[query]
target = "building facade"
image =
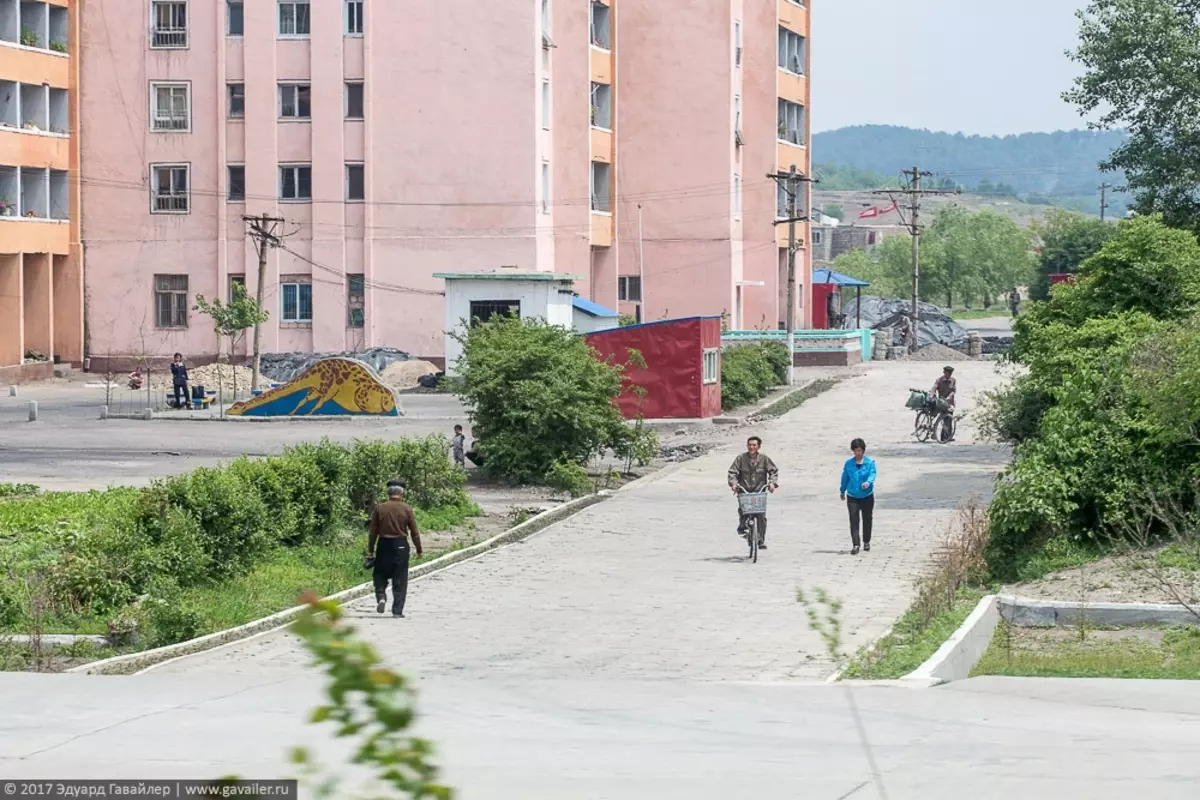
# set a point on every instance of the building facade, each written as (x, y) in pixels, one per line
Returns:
(41, 281)
(521, 134)
(831, 241)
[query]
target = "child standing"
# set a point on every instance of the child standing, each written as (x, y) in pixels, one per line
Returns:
(458, 446)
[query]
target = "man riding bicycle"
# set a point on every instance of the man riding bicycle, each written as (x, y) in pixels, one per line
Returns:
(752, 471)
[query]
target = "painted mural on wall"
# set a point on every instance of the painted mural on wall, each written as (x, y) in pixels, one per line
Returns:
(333, 387)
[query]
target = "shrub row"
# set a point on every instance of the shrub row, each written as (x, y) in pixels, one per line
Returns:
(213, 524)
(750, 371)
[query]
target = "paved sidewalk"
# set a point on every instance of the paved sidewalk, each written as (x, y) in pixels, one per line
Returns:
(652, 584)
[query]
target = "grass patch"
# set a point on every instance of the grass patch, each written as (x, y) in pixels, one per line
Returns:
(912, 641)
(1178, 556)
(794, 400)
(1062, 653)
(1057, 554)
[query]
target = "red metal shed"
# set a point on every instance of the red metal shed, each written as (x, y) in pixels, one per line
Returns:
(682, 376)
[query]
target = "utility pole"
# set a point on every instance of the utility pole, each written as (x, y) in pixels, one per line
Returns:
(791, 182)
(1104, 187)
(264, 231)
(914, 192)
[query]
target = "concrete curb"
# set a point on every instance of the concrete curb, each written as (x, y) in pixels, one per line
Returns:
(142, 661)
(870, 648)
(1027, 613)
(56, 639)
(959, 654)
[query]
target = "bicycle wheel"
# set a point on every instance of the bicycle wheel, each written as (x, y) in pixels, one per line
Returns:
(920, 422)
(925, 428)
(943, 429)
(752, 538)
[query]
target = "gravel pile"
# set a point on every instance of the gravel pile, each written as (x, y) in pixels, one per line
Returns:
(939, 352)
(206, 376)
(286, 366)
(407, 374)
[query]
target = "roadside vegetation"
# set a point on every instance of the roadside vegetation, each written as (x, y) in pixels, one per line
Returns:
(210, 549)
(1082, 652)
(750, 371)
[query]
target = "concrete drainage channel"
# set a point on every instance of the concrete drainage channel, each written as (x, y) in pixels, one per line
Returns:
(959, 654)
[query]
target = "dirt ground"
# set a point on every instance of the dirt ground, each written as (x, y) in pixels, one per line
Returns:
(1147, 578)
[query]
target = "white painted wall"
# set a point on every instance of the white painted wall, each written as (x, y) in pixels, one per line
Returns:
(586, 323)
(548, 300)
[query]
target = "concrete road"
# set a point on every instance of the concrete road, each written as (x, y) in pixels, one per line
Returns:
(70, 448)
(630, 652)
(991, 326)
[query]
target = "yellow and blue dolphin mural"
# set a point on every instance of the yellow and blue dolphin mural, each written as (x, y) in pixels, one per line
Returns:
(332, 387)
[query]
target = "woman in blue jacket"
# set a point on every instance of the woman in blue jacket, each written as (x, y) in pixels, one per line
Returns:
(858, 490)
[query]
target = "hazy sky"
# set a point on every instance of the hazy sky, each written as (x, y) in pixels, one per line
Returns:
(976, 66)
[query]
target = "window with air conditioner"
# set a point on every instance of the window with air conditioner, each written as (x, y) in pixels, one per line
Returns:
(294, 19)
(169, 189)
(170, 107)
(237, 100)
(601, 25)
(168, 25)
(354, 17)
(629, 289)
(601, 187)
(356, 182)
(235, 18)
(712, 365)
(296, 299)
(791, 51)
(170, 301)
(295, 101)
(602, 106)
(237, 183)
(295, 183)
(355, 104)
(791, 122)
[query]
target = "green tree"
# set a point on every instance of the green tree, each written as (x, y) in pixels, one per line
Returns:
(1067, 240)
(1139, 60)
(231, 321)
(538, 395)
(835, 211)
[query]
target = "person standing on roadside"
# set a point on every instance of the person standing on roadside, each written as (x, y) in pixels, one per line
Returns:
(1014, 302)
(179, 379)
(858, 492)
(391, 525)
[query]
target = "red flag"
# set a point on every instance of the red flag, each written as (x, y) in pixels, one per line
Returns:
(869, 213)
(888, 210)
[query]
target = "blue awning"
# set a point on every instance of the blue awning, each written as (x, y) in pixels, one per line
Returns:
(829, 276)
(594, 309)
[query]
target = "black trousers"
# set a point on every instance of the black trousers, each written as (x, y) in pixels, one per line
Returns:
(862, 509)
(182, 397)
(391, 564)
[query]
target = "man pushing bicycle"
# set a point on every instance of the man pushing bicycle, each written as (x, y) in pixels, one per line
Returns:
(753, 471)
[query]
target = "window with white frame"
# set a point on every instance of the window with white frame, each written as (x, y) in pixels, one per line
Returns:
(545, 187)
(296, 298)
(169, 189)
(237, 100)
(356, 182)
(737, 195)
(170, 301)
(294, 19)
(295, 182)
(601, 25)
(629, 289)
(791, 51)
(602, 106)
(601, 187)
(712, 365)
(235, 18)
(354, 17)
(170, 106)
(791, 121)
(737, 43)
(295, 101)
(237, 183)
(355, 104)
(545, 105)
(168, 24)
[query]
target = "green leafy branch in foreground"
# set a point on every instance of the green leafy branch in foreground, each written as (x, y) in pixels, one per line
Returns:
(366, 701)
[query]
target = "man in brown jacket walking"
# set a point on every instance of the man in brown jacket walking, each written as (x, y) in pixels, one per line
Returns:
(753, 472)
(391, 525)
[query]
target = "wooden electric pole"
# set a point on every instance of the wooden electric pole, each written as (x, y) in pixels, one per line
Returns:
(1104, 187)
(263, 230)
(791, 182)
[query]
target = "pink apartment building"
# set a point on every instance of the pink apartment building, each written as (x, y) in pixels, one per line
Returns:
(396, 140)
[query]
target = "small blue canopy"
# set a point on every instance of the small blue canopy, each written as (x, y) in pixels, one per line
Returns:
(593, 309)
(829, 276)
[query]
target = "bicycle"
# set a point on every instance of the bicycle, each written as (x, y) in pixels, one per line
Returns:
(753, 506)
(934, 420)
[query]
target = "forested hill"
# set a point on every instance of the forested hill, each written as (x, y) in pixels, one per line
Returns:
(1059, 167)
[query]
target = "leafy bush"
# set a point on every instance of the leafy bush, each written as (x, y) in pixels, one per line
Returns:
(167, 622)
(538, 396)
(570, 477)
(748, 371)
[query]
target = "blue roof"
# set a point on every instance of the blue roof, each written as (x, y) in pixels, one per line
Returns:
(593, 309)
(829, 276)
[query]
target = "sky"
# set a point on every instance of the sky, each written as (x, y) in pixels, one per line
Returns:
(975, 66)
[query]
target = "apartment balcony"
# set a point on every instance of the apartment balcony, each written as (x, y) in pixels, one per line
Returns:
(793, 87)
(33, 42)
(34, 123)
(802, 233)
(34, 206)
(793, 15)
